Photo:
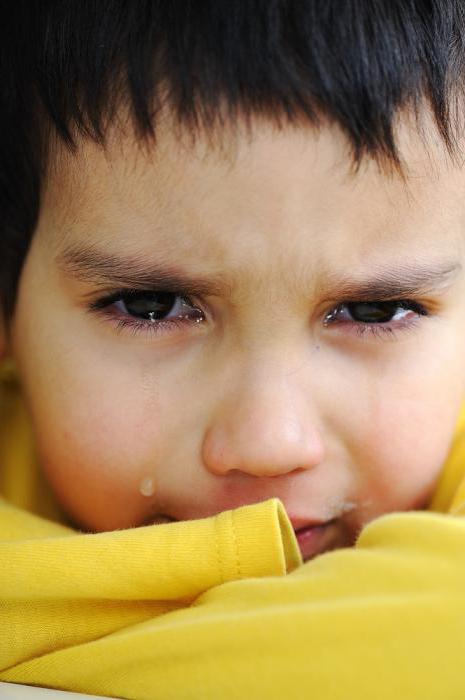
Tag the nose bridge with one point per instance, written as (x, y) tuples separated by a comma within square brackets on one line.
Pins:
[(265, 424)]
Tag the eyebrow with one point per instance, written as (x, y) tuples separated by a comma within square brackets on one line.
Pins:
[(399, 282), (92, 266)]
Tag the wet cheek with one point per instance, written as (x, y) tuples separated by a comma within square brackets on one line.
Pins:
[(96, 447)]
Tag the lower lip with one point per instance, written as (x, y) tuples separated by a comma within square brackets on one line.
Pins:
[(312, 540)]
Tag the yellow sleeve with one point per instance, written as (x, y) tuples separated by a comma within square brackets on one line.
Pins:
[(158, 612), (60, 589)]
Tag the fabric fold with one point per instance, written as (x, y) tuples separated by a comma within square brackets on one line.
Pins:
[(61, 588)]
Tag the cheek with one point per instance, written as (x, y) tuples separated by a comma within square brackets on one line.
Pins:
[(407, 434), (97, 440)]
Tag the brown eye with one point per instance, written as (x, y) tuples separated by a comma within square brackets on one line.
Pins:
[(376, 318), (150, 306), (373, 311), (153, 312)]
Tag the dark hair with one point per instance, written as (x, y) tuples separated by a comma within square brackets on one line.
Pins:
[(67, 65)]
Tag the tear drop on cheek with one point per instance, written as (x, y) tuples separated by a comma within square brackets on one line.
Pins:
[(147, 486)]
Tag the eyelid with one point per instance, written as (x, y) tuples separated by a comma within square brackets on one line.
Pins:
[(387, 329), (160, 327), (411, 304), (117, 295)]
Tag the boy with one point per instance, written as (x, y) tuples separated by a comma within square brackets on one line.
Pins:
[(233, 273)]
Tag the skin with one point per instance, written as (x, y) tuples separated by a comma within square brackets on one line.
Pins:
[(262, 398)]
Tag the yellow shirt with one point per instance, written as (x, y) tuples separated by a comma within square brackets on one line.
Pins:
[(223, 607)]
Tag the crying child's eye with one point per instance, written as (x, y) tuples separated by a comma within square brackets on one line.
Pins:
[(151, 306), (155, 311), (377, 317), (379, 311)]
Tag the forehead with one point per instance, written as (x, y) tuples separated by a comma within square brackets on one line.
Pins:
[(260, 197)]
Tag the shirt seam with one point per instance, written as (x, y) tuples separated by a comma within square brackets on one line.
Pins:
[(236, 545)]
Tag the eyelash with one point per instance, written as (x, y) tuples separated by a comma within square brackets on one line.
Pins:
[(136, 325), (385, 330)]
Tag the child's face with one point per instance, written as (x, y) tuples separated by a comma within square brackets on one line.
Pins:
[(261, 389)]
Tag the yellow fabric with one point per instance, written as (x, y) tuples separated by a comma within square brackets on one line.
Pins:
[(223, 607)]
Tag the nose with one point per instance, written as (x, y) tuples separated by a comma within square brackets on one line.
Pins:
[(265, 426)]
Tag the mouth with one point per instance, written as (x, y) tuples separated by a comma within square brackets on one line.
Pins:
[(314, 538)]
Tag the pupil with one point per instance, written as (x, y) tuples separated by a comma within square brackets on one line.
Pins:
[(150, 305), (373, 312)]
